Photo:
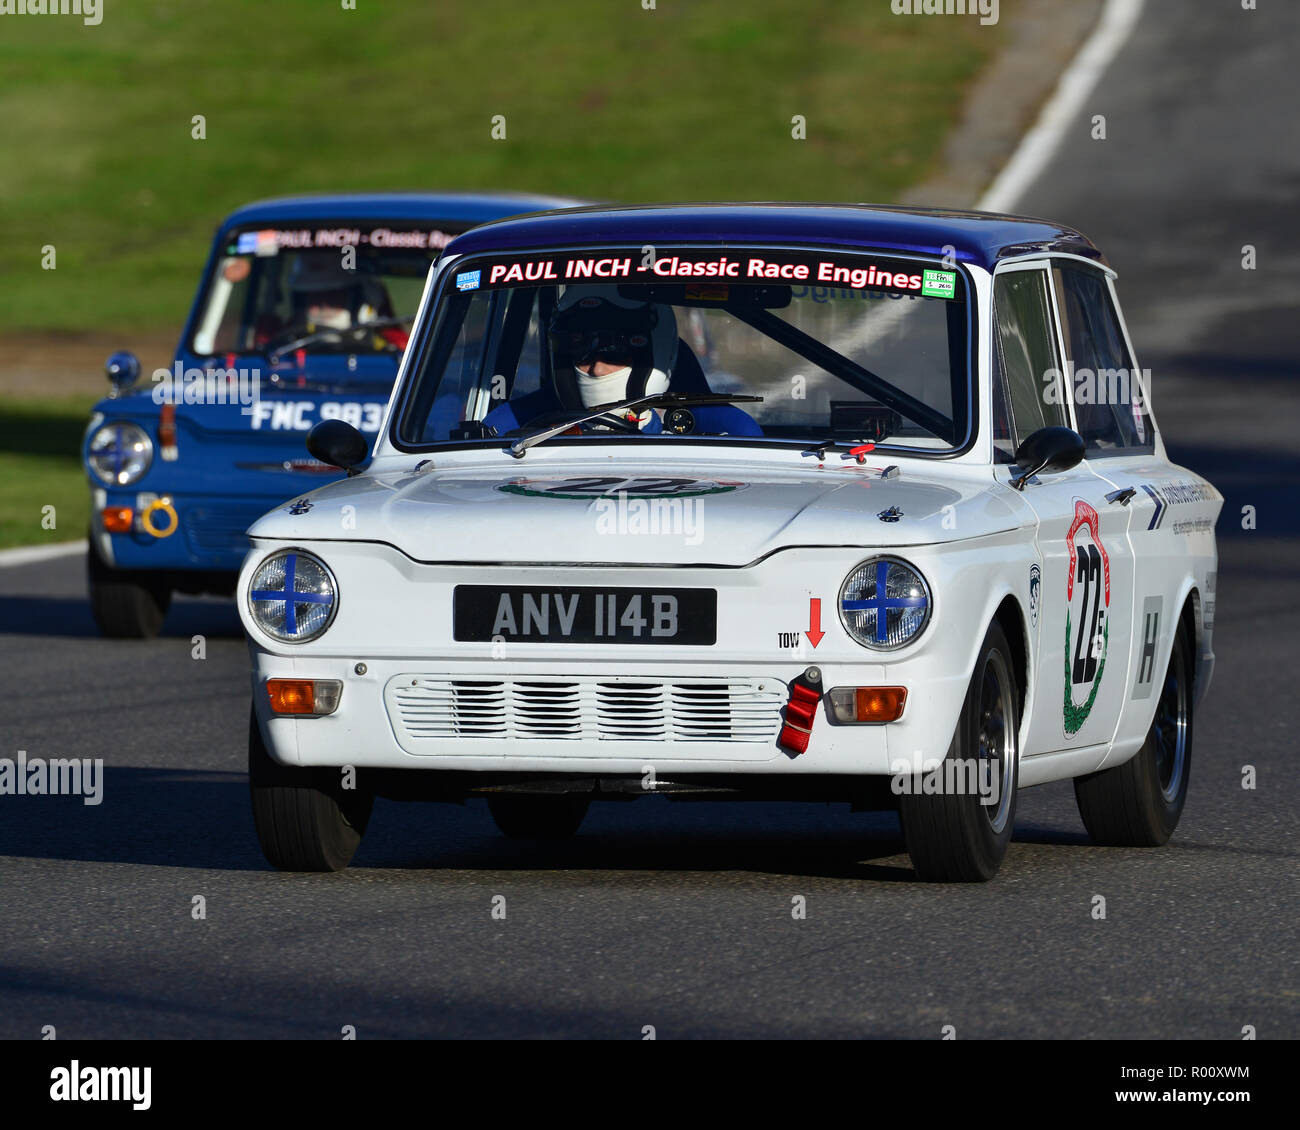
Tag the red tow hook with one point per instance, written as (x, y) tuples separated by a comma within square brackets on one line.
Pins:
[(800, 711)]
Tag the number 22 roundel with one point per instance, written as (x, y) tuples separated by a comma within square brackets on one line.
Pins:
[(1087, 629)]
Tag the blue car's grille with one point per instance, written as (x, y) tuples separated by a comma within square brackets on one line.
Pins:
[(218, 529)]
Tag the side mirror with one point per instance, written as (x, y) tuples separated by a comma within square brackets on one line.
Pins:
[(1047, 451), (122, 369), (337, 443)]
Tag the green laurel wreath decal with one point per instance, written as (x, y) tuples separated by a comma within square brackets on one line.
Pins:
[(515, 488), (1076, 716)]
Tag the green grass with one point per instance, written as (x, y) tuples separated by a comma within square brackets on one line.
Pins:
[(40, 466), (692, 100)]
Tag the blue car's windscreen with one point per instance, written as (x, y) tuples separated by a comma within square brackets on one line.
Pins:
[(838, 346), (337, 289)]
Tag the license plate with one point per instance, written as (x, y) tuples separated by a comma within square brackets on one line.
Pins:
[(584, 615)]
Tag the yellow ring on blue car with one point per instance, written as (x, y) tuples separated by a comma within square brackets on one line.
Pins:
[(146, 518)]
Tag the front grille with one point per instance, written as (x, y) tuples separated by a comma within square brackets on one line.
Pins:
[(217, 529), (584, 708)]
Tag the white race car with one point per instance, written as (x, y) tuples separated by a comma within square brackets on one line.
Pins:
[(813, 502)]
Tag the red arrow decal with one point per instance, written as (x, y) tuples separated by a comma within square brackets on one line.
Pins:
[(814, 632)]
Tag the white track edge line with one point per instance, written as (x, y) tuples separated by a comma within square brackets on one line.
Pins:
[(1042, 140), (31, 554)]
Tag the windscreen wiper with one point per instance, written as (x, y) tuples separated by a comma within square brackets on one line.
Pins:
[(856, 448), (657, 400)]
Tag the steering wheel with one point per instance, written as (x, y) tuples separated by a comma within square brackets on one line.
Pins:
[(354, 335), (618, 424), (285, 333), (547, 419)]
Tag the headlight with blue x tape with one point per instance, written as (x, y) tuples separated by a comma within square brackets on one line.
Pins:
[(885, 603), (293, 596), (120, 453)]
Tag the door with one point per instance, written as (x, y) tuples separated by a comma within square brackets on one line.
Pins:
[(1086, 567), (1170, 512)]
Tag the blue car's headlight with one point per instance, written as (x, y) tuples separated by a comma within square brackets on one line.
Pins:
[(120, 453), (293, 596), (885, 603)]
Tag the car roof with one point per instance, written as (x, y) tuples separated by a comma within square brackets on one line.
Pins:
[(451, 207), (975, 237)]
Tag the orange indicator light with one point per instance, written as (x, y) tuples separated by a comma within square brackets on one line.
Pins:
[(118, 519), (292, 696), (880, 704)]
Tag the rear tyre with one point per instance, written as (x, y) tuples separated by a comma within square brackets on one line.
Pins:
[(538, 817), (126, 606), (1139, 803), (305, 819), (951, 835)]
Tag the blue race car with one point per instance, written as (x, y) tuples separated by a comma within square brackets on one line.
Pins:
[(302, 315)]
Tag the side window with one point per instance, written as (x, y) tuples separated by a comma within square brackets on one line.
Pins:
[(1108, 396), (1027, 391)]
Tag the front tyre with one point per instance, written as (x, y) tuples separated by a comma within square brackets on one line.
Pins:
[(126, 606), (305, 819), (952, 835), (538, 817), (1138, 804)]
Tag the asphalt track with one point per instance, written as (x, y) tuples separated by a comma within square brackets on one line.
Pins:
[(679, 915)]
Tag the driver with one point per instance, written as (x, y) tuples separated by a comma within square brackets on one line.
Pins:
[(603, 351), (325, 296), (607, 348)]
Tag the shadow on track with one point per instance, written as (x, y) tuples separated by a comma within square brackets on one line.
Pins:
[(1049, 836), (69, 616), (659, 838), (156, 817), (201, 820)]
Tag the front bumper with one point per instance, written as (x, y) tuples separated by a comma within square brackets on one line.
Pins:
[(409, 689), (209, 534), (371, 729)]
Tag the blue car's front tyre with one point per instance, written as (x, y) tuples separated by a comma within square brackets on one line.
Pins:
[(125, 605)]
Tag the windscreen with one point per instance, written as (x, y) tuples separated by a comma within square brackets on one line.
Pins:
[(337, 289), (753, 345)]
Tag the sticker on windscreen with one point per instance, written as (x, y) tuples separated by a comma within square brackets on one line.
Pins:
[(939, 284), (713, 277), (271, 241)]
